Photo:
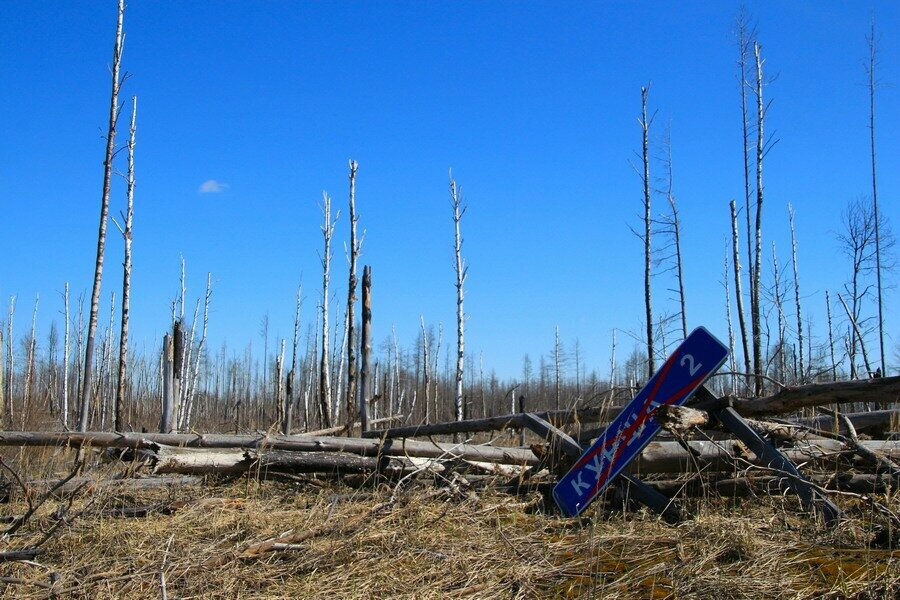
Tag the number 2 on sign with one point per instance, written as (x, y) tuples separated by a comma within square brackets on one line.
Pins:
[(693, 368)]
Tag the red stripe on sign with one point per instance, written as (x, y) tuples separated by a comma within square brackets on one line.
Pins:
[(600, 447), (641, 418)]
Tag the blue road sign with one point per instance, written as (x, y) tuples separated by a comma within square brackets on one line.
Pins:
[(698, 357)]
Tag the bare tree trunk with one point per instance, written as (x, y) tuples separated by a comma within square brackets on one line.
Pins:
[(366, 343), (859, 336), (760, 151), (728, 319), (425, 369), (739, 296), (872, 84), (462, 271), (64, 410), (779, 306), (746, 33), (830, 337), (645, 128), (324, 368), (558, 369), (289, 388), (29, 362), (676, 231), (168, 397), (119, 424), (194, 371), (351, 296), (802, 374), (104, 213)]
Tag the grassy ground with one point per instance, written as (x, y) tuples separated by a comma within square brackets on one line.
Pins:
[(432, 542)]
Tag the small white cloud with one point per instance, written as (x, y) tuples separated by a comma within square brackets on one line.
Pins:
[(211, 186)]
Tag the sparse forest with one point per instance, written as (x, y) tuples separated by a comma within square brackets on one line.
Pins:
[(99, 430)]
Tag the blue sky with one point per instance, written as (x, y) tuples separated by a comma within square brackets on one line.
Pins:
[(533, 106)]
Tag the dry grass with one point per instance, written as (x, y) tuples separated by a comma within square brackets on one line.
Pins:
[(434, 543)]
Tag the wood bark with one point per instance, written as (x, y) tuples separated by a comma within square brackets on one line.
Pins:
[(366, 349), (802, 374), (758, 367), (872, 85), (794, 398), (351, 297), (739, 295), (297, 443), (119, 423), (86, 387), (462, 270), (324, 368), (645, 154)]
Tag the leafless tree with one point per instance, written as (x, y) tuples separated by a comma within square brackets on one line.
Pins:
[(119, 424), (738, 294), (353, 255), (557, 363), (324, 369), (873, 83), (802, 374), (830, 336), (746, 36), (117, 82), (762, 147), (64, 409), (728, 320), (645, 123), (462, 271), (857, 242)]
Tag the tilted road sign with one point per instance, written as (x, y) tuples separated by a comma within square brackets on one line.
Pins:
[(698, 357)]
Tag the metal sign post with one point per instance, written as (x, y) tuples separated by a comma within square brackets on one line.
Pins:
[(698, 357)]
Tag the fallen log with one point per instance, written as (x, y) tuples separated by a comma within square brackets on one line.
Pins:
[(343, 428), (671, 457), (299, 443), (790, 399), (510, 421), (875, 423), (741, 487), (197, 461)]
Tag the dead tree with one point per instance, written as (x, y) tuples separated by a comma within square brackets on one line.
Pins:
[(462, 271), (288, 411), (746, 34), (645, 145), (64, 409), (778, 300), (324, 368), (119, 423), (104, 215), (830, 337), (366, 348), (354, 251), (801, 376), (10, 360), (857, 243), (556, 362), (731, 361), (29, 362), (675, 228), (761, 109), (738, 294), (872, 85)]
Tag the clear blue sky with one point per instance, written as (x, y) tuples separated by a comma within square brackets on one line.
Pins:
[(533, 105)]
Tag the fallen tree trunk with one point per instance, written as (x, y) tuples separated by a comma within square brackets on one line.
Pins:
[(741, 487), (876, 423), (197, 461), (790, 399), (671, 457), (511, 421), (298, 443)]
